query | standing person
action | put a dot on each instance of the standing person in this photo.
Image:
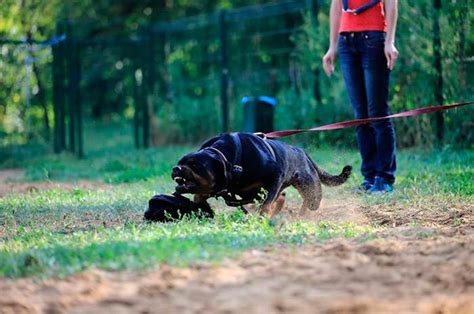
(363, 34)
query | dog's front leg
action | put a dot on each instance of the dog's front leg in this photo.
(201, 199)
(279, 203)
(273, 193)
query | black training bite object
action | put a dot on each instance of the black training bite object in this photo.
(166, 208)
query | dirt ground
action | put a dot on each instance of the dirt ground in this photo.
(426, 268)
(9, 185)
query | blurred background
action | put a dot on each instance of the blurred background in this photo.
(81, 76)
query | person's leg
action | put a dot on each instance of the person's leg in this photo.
(376, 75)
(353, 73)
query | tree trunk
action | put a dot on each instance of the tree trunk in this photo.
(462, 43)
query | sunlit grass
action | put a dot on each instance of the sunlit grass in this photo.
(135, 246)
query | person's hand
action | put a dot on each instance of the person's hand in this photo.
(391, 53)
(328, 61)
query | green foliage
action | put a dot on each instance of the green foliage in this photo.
(188, 119)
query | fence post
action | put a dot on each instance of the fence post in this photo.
(224, 72)
(463, 28)
(59, 92)
(71, 87)
(438, 70)
(314, 7)
(77, 98)
(149, 85)
(136, 97)
(62, 89)
(56, 92)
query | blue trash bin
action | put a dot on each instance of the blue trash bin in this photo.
(258, 113)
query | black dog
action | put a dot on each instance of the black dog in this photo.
(168, 208)
(237, 166)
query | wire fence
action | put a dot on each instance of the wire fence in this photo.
(184, 79)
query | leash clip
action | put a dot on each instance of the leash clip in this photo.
(236, 169)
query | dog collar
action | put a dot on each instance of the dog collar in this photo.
(218, 152)
(235, 170)
(232, 171)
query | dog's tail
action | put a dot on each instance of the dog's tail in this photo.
(330, 180)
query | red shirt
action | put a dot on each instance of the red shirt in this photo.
(372, 19)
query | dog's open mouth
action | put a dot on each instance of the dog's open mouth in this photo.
(180, 180)
(184, 185)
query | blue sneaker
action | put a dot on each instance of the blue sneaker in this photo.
(363, 188)
(366, 185)
(380, 186)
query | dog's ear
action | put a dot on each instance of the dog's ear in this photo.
(222, 166)
(185, 158)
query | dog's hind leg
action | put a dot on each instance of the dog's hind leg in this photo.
(310, 190)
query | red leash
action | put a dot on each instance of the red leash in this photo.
(351, 123)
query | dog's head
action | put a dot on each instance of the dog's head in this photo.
(198, 173)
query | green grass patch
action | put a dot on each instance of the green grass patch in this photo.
(116, 167)
(137, 246)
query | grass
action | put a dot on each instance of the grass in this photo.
(59, 231)
(136, 246)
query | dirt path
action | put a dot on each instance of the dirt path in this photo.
(395, 275)
(9, 184)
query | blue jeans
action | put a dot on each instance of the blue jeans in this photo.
(366, 75)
